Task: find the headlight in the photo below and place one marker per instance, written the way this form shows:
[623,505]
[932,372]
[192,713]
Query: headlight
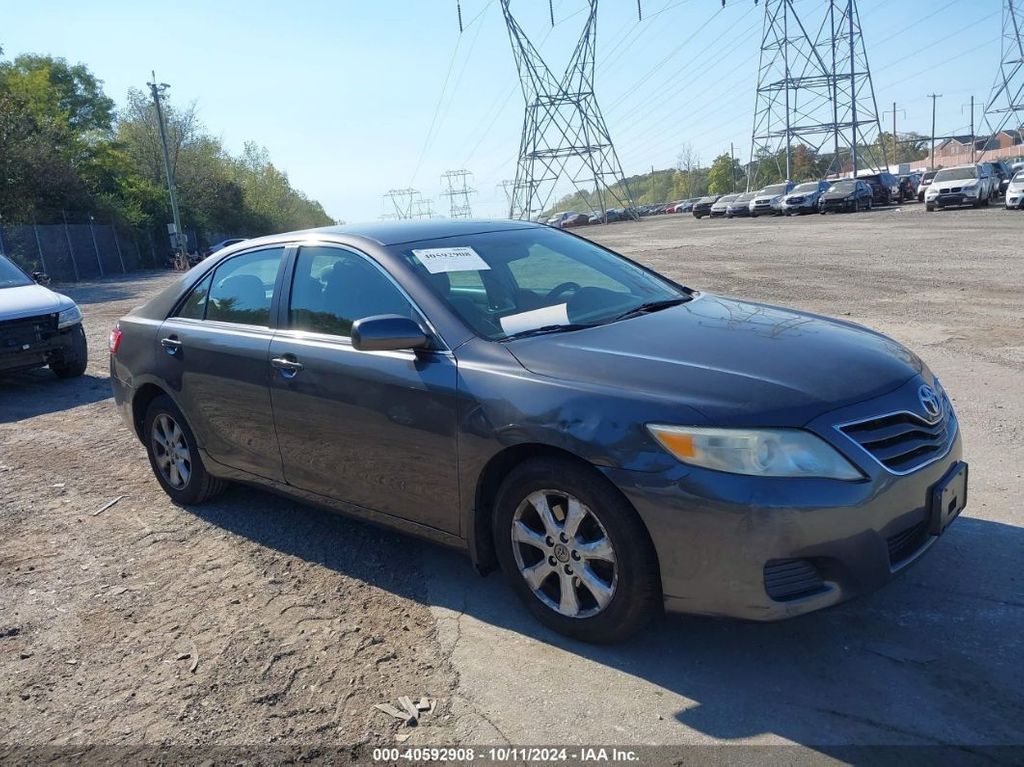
[755,452]
[69,317]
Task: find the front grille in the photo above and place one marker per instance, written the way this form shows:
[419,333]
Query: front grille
[786,579]
[905,544]
[904,442]
[15,335]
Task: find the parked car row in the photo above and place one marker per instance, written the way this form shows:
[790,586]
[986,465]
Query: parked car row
[981,184]
[570,219]
[789,199]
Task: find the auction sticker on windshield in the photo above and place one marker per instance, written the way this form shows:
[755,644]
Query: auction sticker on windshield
[459,259]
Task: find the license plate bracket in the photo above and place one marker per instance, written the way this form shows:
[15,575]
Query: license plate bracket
[947,498]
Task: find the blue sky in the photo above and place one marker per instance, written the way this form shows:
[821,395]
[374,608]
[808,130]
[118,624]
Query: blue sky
[347,96]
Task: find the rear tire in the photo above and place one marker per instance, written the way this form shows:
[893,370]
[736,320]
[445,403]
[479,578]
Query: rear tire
[593,569]
[75,359]
[174,455]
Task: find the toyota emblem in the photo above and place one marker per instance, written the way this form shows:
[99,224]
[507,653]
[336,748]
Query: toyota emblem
[930,401]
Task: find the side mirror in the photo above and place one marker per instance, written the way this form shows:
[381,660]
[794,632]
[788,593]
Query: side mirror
[41,277]
[388,332]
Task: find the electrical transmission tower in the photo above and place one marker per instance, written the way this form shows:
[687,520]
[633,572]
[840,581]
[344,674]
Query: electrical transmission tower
[400,202]
[815,98]
[564,135]
[1005,108]
[506,186]
[455,186]
[422,208]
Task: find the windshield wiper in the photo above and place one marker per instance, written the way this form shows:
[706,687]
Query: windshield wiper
[546,329]
[650,306]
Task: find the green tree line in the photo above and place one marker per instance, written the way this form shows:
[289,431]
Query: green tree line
[65,149]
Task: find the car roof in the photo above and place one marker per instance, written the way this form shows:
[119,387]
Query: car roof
[398,232]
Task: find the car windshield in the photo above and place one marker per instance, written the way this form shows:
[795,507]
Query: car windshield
[773,190]
[809,187]
[843,186]
[728,198]
[1019,176]
[956,174]
[522,281]
[11,276]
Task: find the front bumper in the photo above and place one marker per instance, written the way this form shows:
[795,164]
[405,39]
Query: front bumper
[837,206]
[951,199]
[1015,200]
[33,342]
[724,540]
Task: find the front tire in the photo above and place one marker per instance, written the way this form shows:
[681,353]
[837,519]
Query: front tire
[575,551]
[174,455]
[75,359]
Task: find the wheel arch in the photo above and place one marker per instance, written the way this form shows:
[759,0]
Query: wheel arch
[140,403]
[481,539]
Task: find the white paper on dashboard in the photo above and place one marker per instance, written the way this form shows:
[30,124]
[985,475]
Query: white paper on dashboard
[457,259]
[536,318]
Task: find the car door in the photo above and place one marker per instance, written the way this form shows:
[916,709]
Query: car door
[215,358]
[375,429]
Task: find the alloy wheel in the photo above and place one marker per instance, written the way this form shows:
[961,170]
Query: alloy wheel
[170,451]
[564,553]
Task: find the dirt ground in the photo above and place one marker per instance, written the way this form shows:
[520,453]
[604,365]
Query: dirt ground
[252,620]
[255,620]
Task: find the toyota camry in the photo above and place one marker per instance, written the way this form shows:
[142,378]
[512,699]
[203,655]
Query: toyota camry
[617,443]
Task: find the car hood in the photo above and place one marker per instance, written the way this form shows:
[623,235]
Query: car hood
[738,363]
[802,196]
[29,300]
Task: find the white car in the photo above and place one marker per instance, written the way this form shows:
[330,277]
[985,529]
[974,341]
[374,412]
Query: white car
[38,327]
[768,201]
[804,198]
[1015,192]
[962,185]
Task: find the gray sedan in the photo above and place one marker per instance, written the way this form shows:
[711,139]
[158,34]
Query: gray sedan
[617,443]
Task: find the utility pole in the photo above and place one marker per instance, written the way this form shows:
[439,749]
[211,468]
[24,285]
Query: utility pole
[895,141]
[732,165]
[157,90]
[974,135]
[934,97]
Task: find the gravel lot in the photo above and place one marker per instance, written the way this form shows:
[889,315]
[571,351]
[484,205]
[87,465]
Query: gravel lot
[302,621]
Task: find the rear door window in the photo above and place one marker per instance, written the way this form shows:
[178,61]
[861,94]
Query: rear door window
[242,289]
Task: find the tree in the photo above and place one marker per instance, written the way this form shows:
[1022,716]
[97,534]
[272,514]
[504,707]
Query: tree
[63,148]
[910,147]
[725,175]
[688,163]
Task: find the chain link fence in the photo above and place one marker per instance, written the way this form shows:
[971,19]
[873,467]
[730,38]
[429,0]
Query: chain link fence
[73,252]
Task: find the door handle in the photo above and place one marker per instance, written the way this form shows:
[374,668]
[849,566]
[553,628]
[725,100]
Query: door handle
[288,366]
[171,345]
